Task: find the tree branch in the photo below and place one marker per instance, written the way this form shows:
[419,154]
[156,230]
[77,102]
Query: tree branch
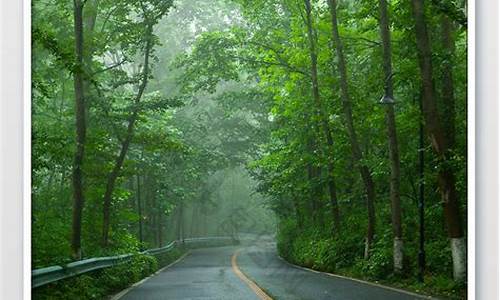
[449,9]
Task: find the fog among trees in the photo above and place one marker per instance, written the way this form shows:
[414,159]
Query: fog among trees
[323,124]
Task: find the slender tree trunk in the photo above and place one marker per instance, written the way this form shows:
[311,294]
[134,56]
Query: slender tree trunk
[385,34]
[139,207]
[160,232]
[194,220]
[312,177]
[78,193]
[180,223]
[205,229]
[322,115]
[171,227]
[113,176]
[160,226]
[347,109]
[177,223]
[446,178]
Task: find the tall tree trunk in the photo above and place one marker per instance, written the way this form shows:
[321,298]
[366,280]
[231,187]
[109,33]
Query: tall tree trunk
[89,19]
[322,116]
[113,176]
[83,60]
[448,114]
[385,34]
[446,178]
[355,148]
[78,196]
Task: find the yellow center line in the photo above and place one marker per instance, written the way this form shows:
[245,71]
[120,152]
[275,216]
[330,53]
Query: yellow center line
[255,288]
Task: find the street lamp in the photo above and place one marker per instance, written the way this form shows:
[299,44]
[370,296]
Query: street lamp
[386,100]
[387,97]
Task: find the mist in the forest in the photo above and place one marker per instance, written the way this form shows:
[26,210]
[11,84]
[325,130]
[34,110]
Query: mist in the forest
[229,203]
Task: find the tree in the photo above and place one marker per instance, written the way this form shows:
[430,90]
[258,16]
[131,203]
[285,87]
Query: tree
[151,17]
[355,147]
[78,193]
[435,132]
[448,93]
[126,142]
[321,114]
[385,34]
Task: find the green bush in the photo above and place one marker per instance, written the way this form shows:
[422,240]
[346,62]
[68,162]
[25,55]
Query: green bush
[313,246]
[102,283]
[379,264]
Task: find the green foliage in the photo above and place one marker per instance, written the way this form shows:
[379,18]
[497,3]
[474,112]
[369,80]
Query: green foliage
[380,263]
[230,88]
[313,247]
[102,283]
[183,145]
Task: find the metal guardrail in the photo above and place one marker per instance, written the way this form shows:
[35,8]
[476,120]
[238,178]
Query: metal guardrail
[40,277]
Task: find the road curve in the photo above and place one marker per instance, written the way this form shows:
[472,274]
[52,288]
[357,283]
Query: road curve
[209,274]
[282,280]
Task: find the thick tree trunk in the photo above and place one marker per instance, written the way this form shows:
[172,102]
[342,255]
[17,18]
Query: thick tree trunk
[446,178]
[78,74]
[89,19]
[113,176]
[448,95]
[393,140]
[355,148]
[322,115]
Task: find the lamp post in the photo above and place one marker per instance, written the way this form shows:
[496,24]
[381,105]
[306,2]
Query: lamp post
[388,102]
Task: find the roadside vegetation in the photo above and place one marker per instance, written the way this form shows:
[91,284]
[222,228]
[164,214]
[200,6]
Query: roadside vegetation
[328,122]
[103,283]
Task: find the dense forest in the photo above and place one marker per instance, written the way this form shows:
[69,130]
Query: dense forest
[339,126]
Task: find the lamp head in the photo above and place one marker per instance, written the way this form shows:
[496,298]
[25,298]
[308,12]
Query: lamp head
[386,100]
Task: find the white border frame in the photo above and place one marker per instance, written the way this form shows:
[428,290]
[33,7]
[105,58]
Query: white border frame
[14,178]
[471,153]
[27,150]
[485,30]
[487,239]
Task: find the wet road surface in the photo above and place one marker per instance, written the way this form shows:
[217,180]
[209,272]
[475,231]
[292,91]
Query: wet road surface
[208,274]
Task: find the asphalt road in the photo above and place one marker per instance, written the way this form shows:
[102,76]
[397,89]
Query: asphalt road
[208,274]
[202,274]
[284,281]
